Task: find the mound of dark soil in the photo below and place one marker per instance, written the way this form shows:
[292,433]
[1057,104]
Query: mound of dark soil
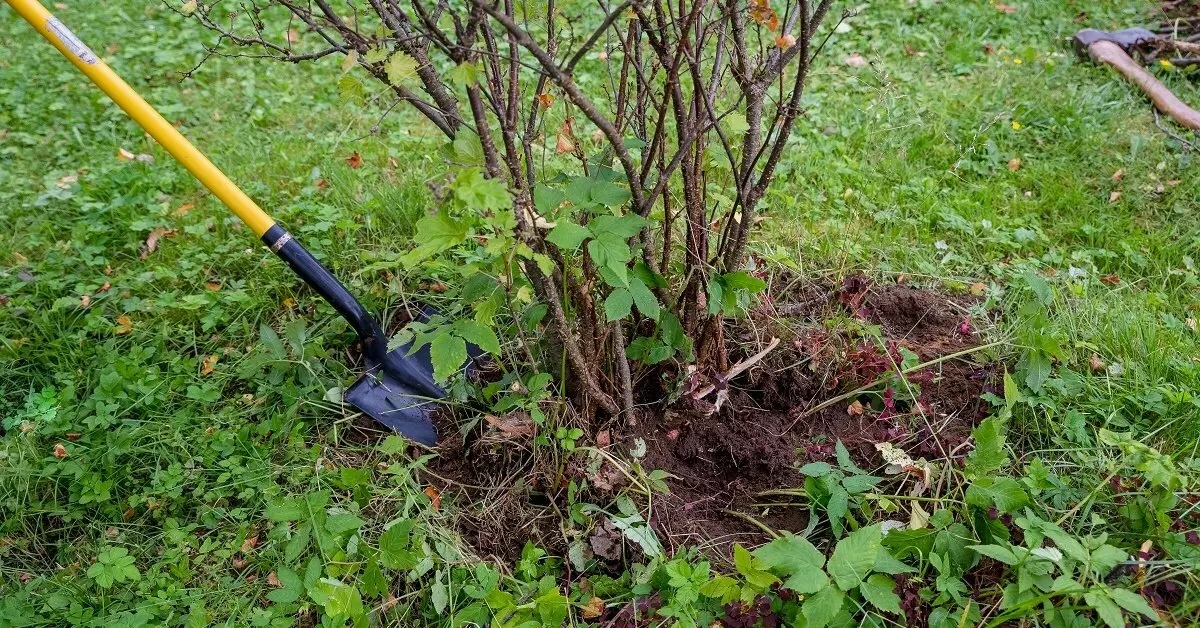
[774,418]
[773,421]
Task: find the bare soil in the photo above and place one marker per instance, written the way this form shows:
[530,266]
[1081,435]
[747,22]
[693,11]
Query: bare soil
[775,418]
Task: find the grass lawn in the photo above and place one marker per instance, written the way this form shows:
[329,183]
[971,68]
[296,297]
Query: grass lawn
[174,447]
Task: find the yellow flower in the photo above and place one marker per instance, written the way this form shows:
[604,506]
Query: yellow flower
[1166,63]
[1017,61]
[1016,125]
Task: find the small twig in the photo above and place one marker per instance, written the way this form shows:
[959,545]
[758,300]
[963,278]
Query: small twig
[751,520]
[1162,127]
[738,369]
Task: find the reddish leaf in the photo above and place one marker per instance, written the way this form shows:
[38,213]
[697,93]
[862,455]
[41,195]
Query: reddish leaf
[354,160]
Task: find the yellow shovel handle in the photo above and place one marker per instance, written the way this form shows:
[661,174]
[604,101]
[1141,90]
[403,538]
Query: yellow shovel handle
[142,113]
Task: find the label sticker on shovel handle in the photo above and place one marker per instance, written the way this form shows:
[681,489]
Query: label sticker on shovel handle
[73,44]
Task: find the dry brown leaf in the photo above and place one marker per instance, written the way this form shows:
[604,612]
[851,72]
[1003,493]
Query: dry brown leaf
[60,451]
[1005,8]
[73,436]
[65,182]
[1191,323]
[106,286]
[182,210]
[212,286]
[1096,364]
[594,608]
[772,22]
[289,303]
[125,155]
[566,137]
[151,245]
[785,41]
[513,425]
[1014,164]
[293,36]
[855,60]
[322,184]
[124,325]
[209,363]
[249,544]
[239,563]
[85,301]
[435,497]
[855,409]
[1116,194]
[545,100]
[391,601]
[1118,175]
[1111,279]
[603,438]
[354,160]
[273,580]
[128,514]
[978,288]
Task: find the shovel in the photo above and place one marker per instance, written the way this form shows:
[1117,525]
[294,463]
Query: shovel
[398,389]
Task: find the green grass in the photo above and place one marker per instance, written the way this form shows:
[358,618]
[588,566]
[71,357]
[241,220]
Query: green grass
[901,167]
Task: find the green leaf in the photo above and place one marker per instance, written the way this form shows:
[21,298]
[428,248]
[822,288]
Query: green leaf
[272,342]
[341,523]
[1108,611]
[752,569]
[744,281]
[880,591]
[820,608]
[436,233]
[856,484]
[610,194]
[623,227]
[646,302]
[298,543]
[796,558]
[1132,602]
[351,90]
[722,587]
[854,556]
[478,334]
[292,587]
[464,75]
[735,123]
[1043,290]
[989,454]
[1005,494]
[394,552]
[400,68]
[476,191]
[997,552]
[648,276]
[618,304]
[816,469]
[567,235]
[288,510]
[439,596]
[1037,369]
[376,54]
[447,352]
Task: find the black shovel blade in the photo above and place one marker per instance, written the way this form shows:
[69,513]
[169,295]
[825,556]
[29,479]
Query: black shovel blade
[401,393]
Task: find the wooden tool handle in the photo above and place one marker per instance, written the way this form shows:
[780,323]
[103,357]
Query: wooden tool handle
[1164,100]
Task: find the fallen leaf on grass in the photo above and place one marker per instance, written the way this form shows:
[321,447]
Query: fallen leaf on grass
[322,184]
[354,160]
[978,288]
[105,287]
[1118,175]
[182,210]
[249,544]
[855,60]
[207,366]
[151,245]
[85,301]
[1191,324]
[1116,194]
[1014,164]
[128,514]
[213,286]
[273,580]
[65,182]
[1096,364]
[434,497]
[594,608]
[1110,280]
[60,451]
[855,409]
[73,436]
[239,563]
[1005,8]
[124,325]
[125,155]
